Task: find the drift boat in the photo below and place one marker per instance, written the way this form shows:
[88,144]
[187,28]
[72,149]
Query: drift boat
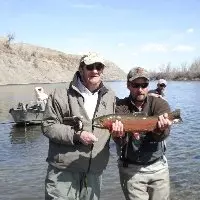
[26,114]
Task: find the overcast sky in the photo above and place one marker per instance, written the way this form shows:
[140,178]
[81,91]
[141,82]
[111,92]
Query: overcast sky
[148,33]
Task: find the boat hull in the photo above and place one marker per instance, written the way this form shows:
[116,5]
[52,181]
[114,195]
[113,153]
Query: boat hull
[27,117]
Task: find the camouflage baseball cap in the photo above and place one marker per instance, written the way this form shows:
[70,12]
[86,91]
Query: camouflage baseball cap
[137,72]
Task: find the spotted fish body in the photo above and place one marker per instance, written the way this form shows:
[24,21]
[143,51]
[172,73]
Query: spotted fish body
[136,122]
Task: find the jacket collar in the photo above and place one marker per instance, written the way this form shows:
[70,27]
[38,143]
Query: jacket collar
[144,107]
[74,84]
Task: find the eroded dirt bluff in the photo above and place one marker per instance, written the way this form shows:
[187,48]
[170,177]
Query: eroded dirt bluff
[23,63]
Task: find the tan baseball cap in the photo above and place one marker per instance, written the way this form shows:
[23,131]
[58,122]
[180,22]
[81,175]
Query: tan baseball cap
[91,58]
[137,72]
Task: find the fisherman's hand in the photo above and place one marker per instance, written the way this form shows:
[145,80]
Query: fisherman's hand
[117,129]
[163,123]
[87,138]
[136,136]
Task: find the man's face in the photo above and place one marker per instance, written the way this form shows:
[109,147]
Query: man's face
[91,75]
[138,89]
[161,87]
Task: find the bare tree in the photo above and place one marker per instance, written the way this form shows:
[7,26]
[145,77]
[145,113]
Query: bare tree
[10,38]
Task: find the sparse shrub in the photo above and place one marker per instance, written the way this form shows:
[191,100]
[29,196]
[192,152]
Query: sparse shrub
[33,54]
[35,63]
[10,38]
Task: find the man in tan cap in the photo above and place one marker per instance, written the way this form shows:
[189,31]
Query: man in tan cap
[78,152]
[143,167]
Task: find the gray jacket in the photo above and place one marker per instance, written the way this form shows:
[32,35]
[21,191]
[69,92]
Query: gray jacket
[65,152]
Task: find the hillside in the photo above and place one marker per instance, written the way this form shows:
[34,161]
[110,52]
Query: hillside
[23,63]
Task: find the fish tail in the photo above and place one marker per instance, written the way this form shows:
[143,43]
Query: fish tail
[176,114]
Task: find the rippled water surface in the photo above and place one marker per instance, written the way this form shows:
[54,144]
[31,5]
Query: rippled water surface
[23,150]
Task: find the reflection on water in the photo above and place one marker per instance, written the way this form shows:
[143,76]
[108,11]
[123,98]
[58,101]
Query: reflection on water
[20,134]
[23,167]
[23,150]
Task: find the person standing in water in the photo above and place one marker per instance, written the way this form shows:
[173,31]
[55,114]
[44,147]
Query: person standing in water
[78,152]
[143,167]
[159,91]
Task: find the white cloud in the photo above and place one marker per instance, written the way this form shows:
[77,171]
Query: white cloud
[134,54]
[190,30]
[154,47]
[121,44]
[183,48]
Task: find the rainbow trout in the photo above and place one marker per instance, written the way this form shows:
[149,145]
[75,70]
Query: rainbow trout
[136,122]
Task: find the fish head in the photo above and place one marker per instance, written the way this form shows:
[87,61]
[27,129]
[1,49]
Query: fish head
[98,122]
[103,122]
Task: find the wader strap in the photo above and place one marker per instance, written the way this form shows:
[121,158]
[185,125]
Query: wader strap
[70,109]
[124,151]
[90,159]
[163,147]
[84,180]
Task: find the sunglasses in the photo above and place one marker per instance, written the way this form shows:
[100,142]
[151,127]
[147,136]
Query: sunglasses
[139,85]
[162,85]
[98,67]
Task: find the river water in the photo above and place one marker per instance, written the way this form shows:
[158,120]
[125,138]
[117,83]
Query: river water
[23,150]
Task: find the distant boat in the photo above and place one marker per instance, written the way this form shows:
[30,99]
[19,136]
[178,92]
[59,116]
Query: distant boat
[25,114]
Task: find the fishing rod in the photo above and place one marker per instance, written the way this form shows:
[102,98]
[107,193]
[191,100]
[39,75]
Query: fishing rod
[74,120]
[20,123]
[7,123]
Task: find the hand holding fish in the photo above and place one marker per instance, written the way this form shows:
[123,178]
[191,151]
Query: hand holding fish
[87,138]
[117,129]
[163,123]
[137,122]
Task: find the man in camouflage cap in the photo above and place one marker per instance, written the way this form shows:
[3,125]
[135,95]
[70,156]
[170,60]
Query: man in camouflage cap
[142,163]
[137,72]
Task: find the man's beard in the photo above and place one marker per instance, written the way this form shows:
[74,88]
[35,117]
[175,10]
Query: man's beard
[140,98]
